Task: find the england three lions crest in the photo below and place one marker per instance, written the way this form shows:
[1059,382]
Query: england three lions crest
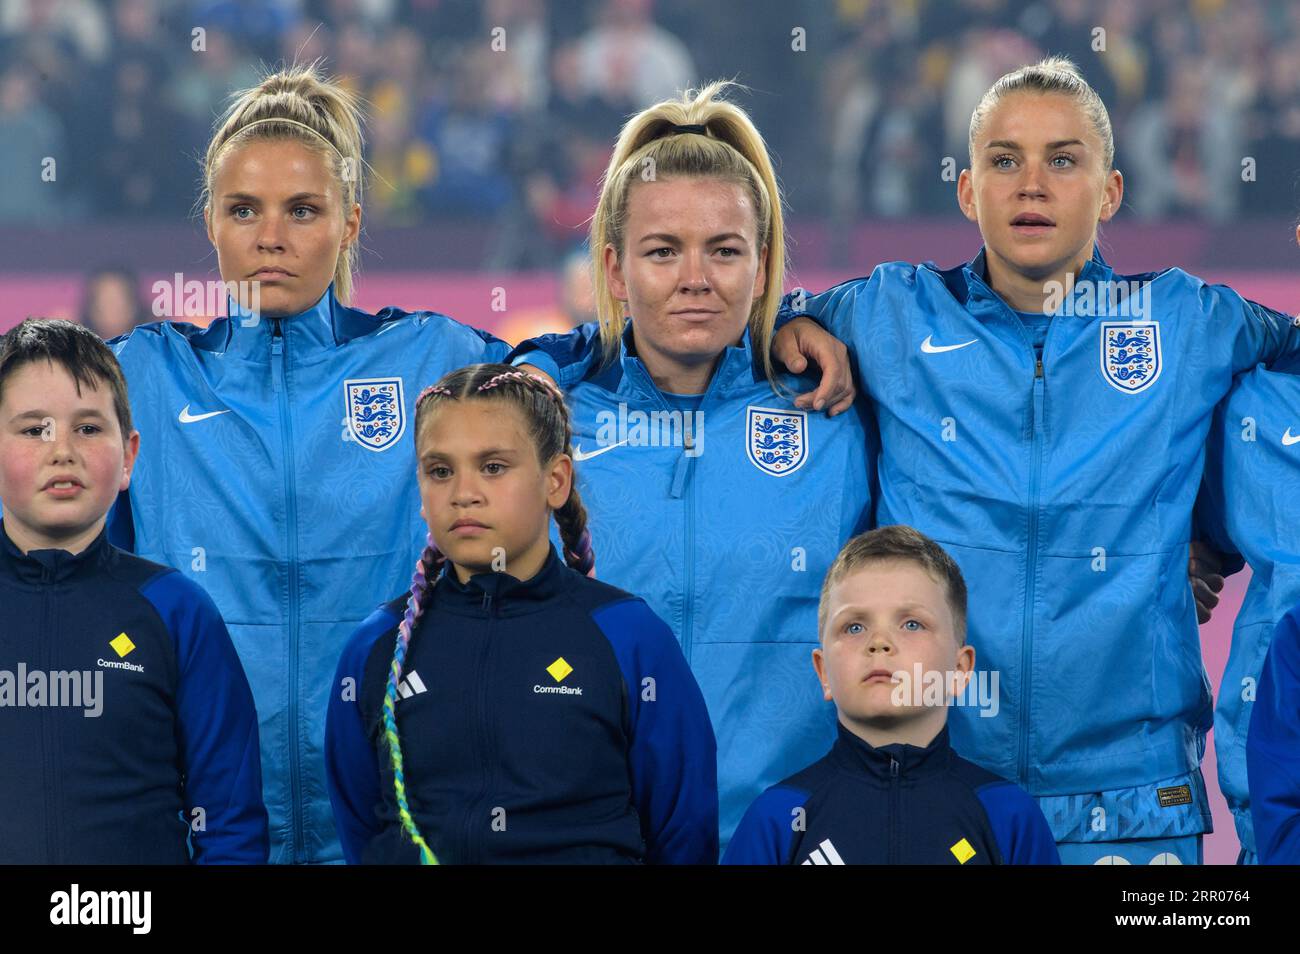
[1130,354]
[376,411]
[776,441]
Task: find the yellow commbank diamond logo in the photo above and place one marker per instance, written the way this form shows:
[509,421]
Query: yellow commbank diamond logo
[963,851]
[559,669]
[122,644]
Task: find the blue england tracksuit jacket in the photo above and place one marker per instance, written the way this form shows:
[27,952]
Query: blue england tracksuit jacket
[725,519]
[1064,489]
[1273,749]
[1249,506]
[894,804]
[126,723]
[278,471]
[547,720]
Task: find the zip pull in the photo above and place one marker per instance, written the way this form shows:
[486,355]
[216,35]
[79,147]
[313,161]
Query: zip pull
[679,475]
[277,355]
[893,767]
[1038,369]
[487,602]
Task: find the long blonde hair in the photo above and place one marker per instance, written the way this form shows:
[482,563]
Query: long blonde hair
[730,148]
[299,103]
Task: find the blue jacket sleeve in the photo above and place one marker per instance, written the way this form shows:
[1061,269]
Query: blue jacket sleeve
[833,309]
[1209,516]
[1273,749]
[351,762]
[673,754]
[766,833]
[566,357]
[217,728]
[1263,334]
[1022,833]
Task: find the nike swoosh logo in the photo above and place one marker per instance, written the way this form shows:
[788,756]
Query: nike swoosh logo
[187,418]
[1288,438]
[930,348]
[578,455]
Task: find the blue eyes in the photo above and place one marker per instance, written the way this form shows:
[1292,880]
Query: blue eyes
[1065,158]
[911,625]
[298,208]
[728,250]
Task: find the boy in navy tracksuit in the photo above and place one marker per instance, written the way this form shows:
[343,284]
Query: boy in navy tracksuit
[509,709]
[127,727]
[892,790]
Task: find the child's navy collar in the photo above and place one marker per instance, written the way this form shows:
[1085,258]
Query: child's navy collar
[501,593]
[53,565]
[857,755]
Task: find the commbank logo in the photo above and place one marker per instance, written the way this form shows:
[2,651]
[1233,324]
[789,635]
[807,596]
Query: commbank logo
[962,851]
[559,671]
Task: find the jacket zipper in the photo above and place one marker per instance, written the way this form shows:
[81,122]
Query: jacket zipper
[688,621]
[472,850]
[895,806]
[49,730]
[1027,632]
[281,385]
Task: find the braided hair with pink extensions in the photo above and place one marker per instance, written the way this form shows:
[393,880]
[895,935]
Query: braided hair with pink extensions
[548,423]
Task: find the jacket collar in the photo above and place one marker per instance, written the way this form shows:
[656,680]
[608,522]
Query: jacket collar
[968,283]
[323,327]
[856,755]
[736,370]
[54,566]
[501,593]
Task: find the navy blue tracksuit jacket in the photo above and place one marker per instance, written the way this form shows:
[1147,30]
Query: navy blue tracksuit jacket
[896,804]
[547,720]
[126,723]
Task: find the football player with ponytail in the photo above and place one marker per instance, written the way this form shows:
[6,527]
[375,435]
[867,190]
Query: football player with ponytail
[511,708]
[714,496]
[275,471]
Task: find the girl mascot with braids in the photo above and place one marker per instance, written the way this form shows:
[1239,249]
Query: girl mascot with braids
[510,708]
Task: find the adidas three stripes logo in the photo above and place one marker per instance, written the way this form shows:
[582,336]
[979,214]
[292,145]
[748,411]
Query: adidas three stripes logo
[411,685]
[824,854]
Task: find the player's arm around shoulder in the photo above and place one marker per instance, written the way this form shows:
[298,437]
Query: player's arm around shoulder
[462,344]
[217,722]
[566,357]
[673,752]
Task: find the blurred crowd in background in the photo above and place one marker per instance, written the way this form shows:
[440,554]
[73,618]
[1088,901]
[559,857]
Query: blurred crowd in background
[860,119]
